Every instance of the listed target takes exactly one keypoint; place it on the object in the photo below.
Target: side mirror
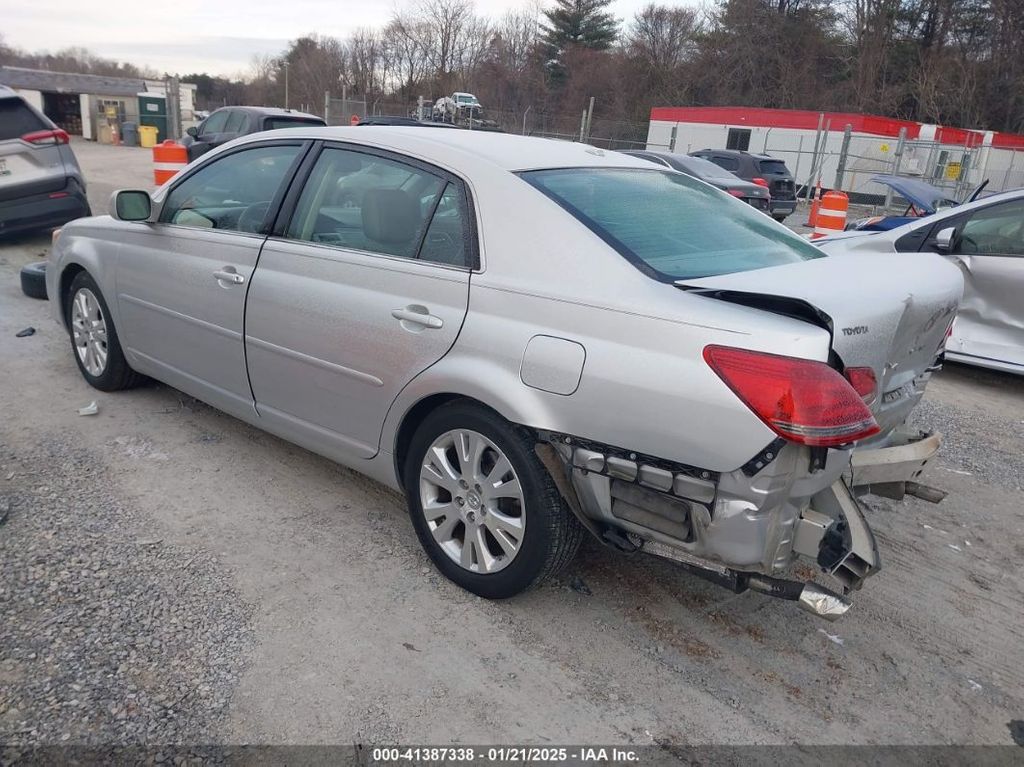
(193, 131)
(131, 205)
(944, 239)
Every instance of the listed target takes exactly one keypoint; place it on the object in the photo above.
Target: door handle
(229, 276)
(418, 315)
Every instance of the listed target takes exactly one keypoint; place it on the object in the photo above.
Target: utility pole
(531, 107)
(286, 83)
(590, 116)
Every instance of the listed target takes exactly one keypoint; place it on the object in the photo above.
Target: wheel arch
(67, 276)
(415, 416)
(488, 384)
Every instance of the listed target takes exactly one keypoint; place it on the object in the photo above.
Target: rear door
(989, 249)
(364, 286)
(30, 158)
(182, 281)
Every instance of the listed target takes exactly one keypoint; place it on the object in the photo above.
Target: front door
(365, 287)
(989, 247)
(181, 282)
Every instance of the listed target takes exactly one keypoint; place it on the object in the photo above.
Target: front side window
(671, 226)
(233, 192)
(235, 122)
(215, 123)
(364, 202)
(996, 231)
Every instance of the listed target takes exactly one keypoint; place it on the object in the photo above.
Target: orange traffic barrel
(168, 158)
(831, 214)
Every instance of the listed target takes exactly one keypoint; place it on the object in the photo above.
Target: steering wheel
(252, 217)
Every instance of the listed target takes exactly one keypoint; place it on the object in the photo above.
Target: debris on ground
(577, 584)
(834, 638)
(91, 409)
(29, 331)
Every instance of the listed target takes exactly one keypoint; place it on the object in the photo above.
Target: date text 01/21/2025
(503, 754)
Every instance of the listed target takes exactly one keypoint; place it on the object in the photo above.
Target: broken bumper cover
(739, 529)
(892, 471)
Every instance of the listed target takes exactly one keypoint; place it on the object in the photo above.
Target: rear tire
(495, 522)
(94, 340)
(33, 280)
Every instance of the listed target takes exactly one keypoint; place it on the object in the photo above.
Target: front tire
(94, 340)
(485, 509)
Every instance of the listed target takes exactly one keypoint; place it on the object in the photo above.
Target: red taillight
(736, 192)
(56, 136)
(760, 182)
(801, 400)
(863, 382)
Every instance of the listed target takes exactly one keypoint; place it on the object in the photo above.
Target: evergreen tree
(583, 23)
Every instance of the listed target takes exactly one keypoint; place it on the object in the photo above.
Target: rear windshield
(16, 119)
(671, 226)
(775, 167)
(273, 123)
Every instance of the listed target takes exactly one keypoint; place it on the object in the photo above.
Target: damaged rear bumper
(740, 529)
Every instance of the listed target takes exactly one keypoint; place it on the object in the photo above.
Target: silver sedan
(533, 340)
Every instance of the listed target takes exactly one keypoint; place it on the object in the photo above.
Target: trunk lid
(887, 312)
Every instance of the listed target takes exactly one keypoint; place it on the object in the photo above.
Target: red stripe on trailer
(959, 136)
(1008, 141)
(786, 118)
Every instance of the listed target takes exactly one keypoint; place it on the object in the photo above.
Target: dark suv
(41, 185)
(759, 168)
(229, 123)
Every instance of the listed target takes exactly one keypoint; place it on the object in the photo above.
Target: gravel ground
(110, 635)
(246, 591)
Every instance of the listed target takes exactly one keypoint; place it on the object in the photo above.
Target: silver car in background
(984, 239)
(533, 340)
(41, 184)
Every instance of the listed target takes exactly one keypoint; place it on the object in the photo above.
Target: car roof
(271, 112)
(738, 153)
(466, 148)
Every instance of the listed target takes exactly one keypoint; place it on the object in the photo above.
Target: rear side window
(774, 167)
(17, 119)
(671, 226)
(364, 202)
(731, 164)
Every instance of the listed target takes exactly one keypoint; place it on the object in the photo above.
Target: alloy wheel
(472, 501)
(89, 328)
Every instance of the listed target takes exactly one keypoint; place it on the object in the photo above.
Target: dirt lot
(169, 574)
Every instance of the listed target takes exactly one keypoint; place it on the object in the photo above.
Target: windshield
(273, 123)
(671, 226)
(775, 167)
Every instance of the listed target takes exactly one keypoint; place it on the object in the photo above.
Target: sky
(215, 36)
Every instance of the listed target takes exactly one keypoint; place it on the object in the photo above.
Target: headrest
(390, 216)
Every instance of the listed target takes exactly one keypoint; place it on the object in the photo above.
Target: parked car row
(340, 296)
